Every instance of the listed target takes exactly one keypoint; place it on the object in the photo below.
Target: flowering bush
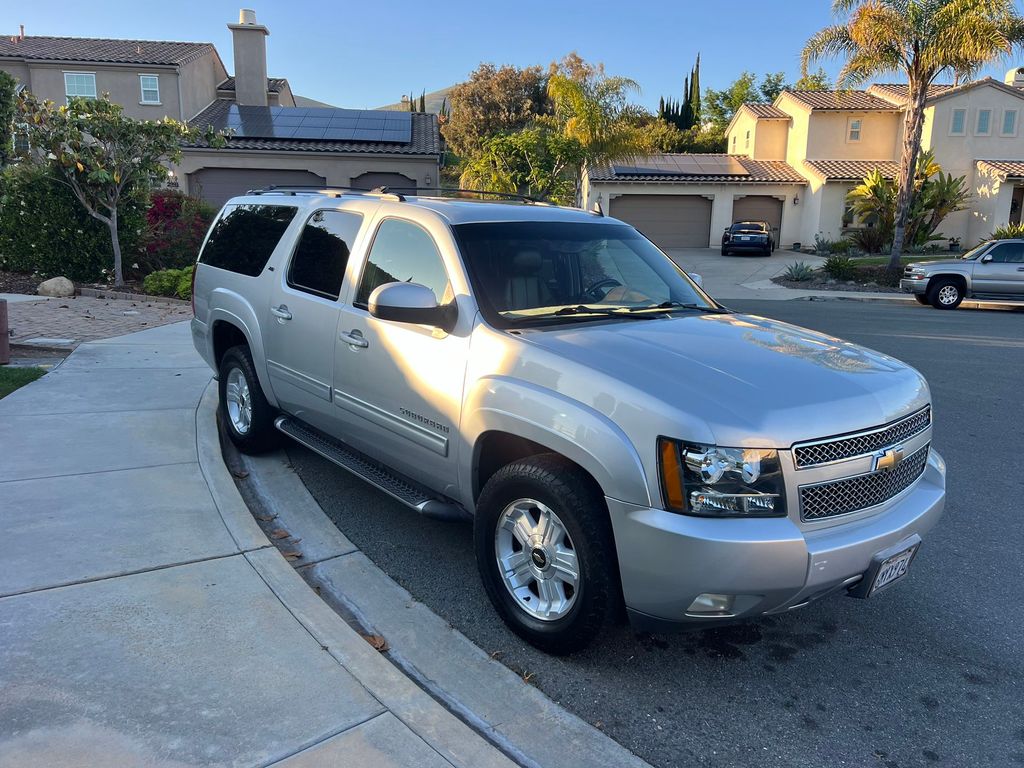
(175, 227)
(44, 230)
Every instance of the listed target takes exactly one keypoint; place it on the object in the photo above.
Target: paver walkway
(69, 322)
(144, 617)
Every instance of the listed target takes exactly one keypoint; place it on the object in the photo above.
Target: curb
(451, 738)
(95, 293)
(485, 694)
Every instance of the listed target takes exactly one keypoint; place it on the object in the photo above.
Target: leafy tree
(686, 113)
(7, 110)
(720, 106)
(812, 81)
(923, 39)
(101, 155)
(494, 100)
(535, 161)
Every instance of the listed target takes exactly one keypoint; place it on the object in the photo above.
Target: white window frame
(850, 130)
(747, 143)
(952, 122)
(977, 123)
(734, 137)
(69, 96)
(1016, 122)
(143, 89)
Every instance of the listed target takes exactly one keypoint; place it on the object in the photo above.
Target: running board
(347, 458)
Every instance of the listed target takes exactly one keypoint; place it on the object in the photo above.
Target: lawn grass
(881, 261)
(12, 378)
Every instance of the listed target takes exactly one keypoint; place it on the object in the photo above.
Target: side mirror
(411, 303)
(986, 258)
(698, 279)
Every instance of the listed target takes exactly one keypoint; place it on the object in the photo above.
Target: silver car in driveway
(616, 436)
(993, 270)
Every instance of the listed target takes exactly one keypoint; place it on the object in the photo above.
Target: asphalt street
(926, 674)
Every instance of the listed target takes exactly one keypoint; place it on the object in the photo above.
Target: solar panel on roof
(683, 165)
(315, 123)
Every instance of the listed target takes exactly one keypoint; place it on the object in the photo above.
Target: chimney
(21, 31)
(1015, 77)
(249, 41)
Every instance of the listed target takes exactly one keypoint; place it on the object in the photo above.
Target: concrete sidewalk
(144, 617)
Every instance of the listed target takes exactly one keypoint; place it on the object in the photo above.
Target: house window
(747, 145)
(150, 87)
(1009, 123)
(958, 122)
(853, 131)
(984, 124)
(20, 140)
(80, 84)
(734, 144)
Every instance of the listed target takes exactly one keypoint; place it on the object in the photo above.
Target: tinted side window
(245, 236)
(318, 264)
(1008, 253)
(403, 252)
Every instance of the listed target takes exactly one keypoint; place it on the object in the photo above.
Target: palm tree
(922, 39)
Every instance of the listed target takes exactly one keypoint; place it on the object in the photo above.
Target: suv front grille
(852, 494)
(863, 443)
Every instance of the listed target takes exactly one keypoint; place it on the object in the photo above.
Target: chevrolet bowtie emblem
(888, 459)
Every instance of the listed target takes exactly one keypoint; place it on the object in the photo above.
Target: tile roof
(766, 111)
(899, 92)
(102, 50)
(842, 100)
(1012, 168)
(274, 84)
(759, 172)
(852, 170)
(426, 137)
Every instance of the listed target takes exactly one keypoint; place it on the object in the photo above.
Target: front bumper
(746, 245)
(913, 286)
(771, 565)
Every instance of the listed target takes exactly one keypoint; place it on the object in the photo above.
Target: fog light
(710, 602)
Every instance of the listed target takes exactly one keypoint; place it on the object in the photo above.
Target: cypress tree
(423, 100)
(694, 95)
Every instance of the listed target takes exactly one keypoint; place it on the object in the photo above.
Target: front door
(1003, 275)
(398, 386)
(302, 317)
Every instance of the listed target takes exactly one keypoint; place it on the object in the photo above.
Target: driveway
(927, 674)
(742, 276)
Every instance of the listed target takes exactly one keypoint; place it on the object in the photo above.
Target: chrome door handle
(1020, 269)
(281, 312)
(354, 339)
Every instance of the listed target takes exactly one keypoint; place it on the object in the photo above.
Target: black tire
(945, 293)
(726, 252)
(767, 251)
(922, 299)
(577, 502)
(261, 435)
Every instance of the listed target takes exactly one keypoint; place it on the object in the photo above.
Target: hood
(746, 379)
(942, 263)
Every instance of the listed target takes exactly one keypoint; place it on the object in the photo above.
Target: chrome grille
(852, 494)
(862, 443)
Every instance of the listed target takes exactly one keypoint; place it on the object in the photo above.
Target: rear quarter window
(244, 237)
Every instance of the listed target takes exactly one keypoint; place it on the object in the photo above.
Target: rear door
(398, 386)
(302, 315)
(1004, 274)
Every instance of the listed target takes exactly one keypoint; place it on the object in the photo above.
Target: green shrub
(840, 267)
(799, 272)
(175, 227)
(870, 239)
(176, 283)
(45, 230)
(1008, 232)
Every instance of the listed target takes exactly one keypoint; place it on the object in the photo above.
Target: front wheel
(546, 554)
(725, 252)
(244, 409)
(945, 294)
(922, 299)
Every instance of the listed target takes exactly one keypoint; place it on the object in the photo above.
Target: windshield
(977, 250)
(528, 272)
(748, 226)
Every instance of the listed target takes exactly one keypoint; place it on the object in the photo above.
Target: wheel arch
(234, 325)
(959, 277)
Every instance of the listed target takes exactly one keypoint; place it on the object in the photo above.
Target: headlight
(711, 481)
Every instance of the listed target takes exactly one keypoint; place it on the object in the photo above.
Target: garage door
(392, 180)
(758, 208)
(671, 221)
(218, 185)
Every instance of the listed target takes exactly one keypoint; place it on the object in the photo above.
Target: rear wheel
(244, 410)
(945, 293)
(545, 552)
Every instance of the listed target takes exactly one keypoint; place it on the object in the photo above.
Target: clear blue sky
(368, 53)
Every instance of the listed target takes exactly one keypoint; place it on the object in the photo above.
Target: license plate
(744, 237)
(893, 569)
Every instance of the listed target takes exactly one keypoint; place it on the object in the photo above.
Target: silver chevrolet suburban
(994, 270)
(617, 437)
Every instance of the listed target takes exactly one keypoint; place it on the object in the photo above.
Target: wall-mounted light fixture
(428, 179)
(796, 199)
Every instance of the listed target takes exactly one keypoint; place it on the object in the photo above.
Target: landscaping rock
(60, 287)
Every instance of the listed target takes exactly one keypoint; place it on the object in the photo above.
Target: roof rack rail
(509, 195)
(320, 189)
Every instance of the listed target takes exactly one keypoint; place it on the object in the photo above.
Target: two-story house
(794, 161)
(276, 137)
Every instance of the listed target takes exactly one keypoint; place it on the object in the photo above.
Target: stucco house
(793, 162)
(276, 137)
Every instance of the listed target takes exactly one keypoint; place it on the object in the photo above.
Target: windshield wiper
(583, 309)
(680, 305)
